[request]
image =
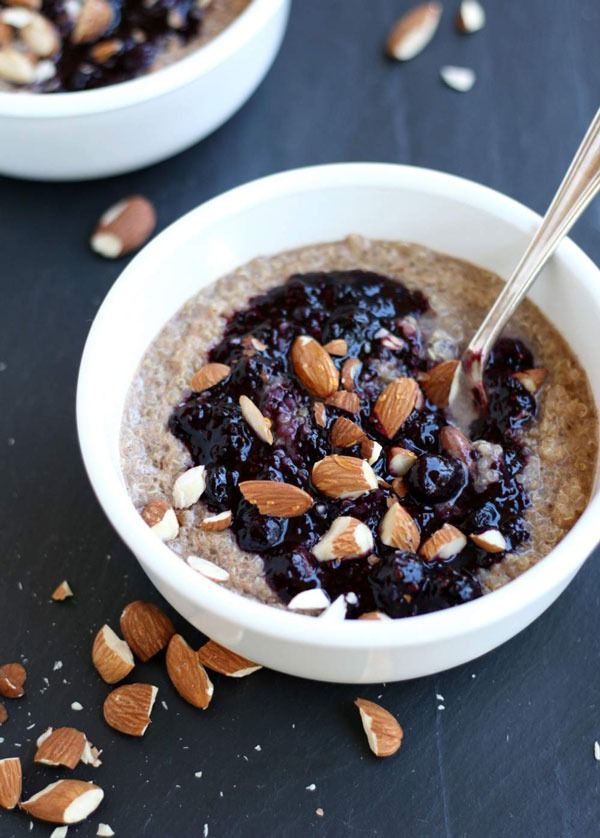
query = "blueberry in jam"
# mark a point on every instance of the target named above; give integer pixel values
(379, 321)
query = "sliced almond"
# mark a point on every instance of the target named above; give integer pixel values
(146, 628)
(398, 529)
(446, 542)
(16, 67)
(189, 487)
(343, 477)
(437, 382)
(64, 746)
(401, 460)
(395, 404)
(281, 500)
(314, 599)
(12, 680)
(259, 423)
(218, 522)
(320, 414)
(531, 380)
(347, 538)
(64, 802)
(161, 519)
(345, 433)
(208, 569)
(399, 486)
(11, 781)
(470, 17)
(209, 375)
(371, 450)
(41, 36)
(314, 367)
(455, 443)
(375, 615)
(384, 734)
(411, 34)
(344, 400)
(128, 708)
(126, 226)
(187, 674)
(111, 656)
(3, 713)
(337, 347)
(95, 18)
(62, 591)
(349, 374)
(492, 541)
(225, 662)
(460, 79)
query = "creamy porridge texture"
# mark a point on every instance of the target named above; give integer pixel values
(461, 517)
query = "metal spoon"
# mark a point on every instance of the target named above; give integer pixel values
(468, 399)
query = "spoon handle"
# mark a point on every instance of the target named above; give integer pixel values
(579, 186)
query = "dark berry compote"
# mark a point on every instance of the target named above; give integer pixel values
(320, 421)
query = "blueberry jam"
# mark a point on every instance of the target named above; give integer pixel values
(381, 322)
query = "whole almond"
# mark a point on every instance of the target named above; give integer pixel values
(111, 656)
(64, 746)
(398, 529)
(344, 400)
(345, 433)
(395, 404)
(347, 538)
(338, 476)
(187, 674)
(146, 628)
(62, 592)
(437, 382)
(350, 369)
(446, 542)
(128, 708)
(64, 802)
(95, 18)
(217, 523)
(281, 500)
(259, 423)
(12, 680)
(225, 662)
(125, 226)
(11, 781)
(532, 380)
(413, 31)
(209, 375)
(314, 367)
(337, 347)
(384, 734)
(399, 486)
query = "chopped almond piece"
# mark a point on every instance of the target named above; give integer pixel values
(11, 781)
(12, 680)
(111, 656)
(349, 373)
(320, 414)
(337, 347)
(398, 529)
(401, 460)
(344, 400)
(314, 367)
(209, 375)
(345, 433)
(438, 381)
(343, 477)
(395, 404)
(128, 708)
(217, 523)
(347, 538)
(281, 500)
(259, 423)
(3, 713)
(225, 662)
(187, 674)
(146, 628)
(370, 450)
(446, 542)
(189, 487)
(531, 380)
(64, 802)
(62, 591)
(492, 541)
(384, 734)
(64, 746)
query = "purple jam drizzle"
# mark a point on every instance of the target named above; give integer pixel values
(356, 306)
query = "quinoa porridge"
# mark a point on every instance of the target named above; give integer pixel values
(320, 399)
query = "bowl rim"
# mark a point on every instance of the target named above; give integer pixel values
(536, 583)
(114, 97)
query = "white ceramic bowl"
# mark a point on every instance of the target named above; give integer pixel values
(96, 133)
(289, 210)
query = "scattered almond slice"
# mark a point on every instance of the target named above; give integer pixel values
(91, 755)
(337, 347)
(492, 541)
(189, 487)
(146, 628)
(64, 802)
(446, 542)
(104, 831)
(320, 414)
(161, 519)
(12, 680)
(128, 708)
(187, 674)
(347, 538)
(111, 656)
(395, 404)
(370, 450)
(398, 529)
(415, 29)
(437, 382)
(259, 423)
(126, 226)
(470, 17)
(314, 599)
(271, 497)
(209, 375)
(225, 662)
(62, 591)
(349, 373)
(345, 433)
(11, 781)
(338, 476)
(401, 460)
(344, 400)
(460, 79)
(531, 380)
(217, 523)
(63, 746)
(3, 713)
(208, 569)
(375, 615)
(314, 367)
(384, 734)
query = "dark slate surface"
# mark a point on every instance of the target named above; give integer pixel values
(512, 752)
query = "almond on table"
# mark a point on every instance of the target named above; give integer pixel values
(225, 662)
(146, 628)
